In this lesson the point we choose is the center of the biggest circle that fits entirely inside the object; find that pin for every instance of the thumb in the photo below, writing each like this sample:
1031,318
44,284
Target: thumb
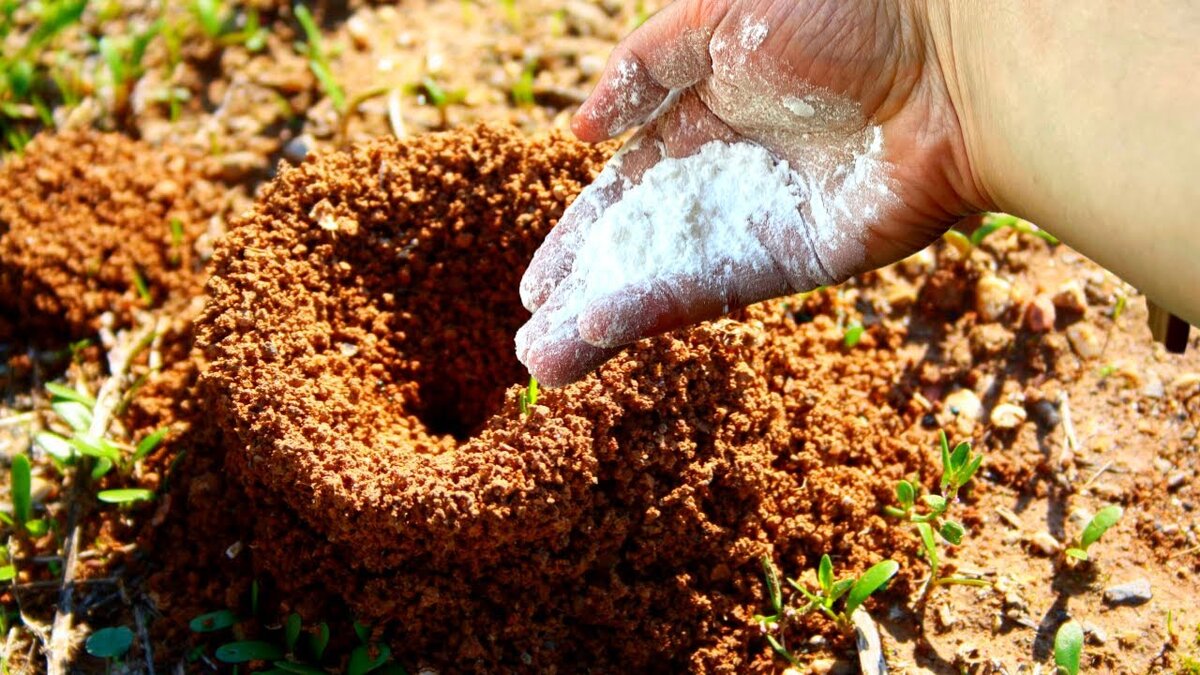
668,52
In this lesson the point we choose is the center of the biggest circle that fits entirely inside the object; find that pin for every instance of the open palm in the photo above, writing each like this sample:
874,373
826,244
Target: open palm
846,97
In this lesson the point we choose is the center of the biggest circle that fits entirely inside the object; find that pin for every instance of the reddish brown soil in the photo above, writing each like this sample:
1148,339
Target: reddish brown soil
367,375
82,214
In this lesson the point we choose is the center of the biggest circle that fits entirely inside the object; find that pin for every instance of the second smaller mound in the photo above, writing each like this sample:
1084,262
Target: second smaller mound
93,222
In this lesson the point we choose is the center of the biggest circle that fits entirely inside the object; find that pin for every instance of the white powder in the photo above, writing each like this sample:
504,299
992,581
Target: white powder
711,221
690,217
752,32
732,221
799,106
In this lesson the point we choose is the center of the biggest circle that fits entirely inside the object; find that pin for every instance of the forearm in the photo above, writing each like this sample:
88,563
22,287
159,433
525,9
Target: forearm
1082,116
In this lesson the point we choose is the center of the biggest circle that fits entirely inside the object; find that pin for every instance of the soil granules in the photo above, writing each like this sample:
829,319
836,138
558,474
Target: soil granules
360,330
83,214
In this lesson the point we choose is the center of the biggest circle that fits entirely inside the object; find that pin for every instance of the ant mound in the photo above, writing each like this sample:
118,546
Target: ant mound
360,334
86,217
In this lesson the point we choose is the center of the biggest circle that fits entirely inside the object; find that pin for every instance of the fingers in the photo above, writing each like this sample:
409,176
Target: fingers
549,344
664,305
669,52
555,258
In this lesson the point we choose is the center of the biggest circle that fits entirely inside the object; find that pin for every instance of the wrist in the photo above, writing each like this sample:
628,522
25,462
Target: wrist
957,52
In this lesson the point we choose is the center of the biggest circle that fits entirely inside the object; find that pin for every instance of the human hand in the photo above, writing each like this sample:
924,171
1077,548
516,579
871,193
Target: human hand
786,145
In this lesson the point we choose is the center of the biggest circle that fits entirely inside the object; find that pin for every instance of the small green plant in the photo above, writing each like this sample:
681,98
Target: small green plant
853,335
110,644
996,221
283,645
20,486
27,81
77,411
928,512
318,58
522,89
850,592
1068,647
431,92
529,397
1096,527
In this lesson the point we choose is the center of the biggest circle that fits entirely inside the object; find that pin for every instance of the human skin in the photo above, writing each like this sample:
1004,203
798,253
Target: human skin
1082,122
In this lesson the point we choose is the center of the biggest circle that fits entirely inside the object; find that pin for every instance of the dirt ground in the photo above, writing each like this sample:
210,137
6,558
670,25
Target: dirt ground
328,343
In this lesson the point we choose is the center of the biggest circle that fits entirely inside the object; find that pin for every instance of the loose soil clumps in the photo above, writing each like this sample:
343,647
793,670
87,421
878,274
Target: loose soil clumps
84,214
360,329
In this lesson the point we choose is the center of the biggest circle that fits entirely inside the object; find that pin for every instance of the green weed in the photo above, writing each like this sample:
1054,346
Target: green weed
1096,527
837,600
928,512
26,83
522,89
110,644
77,411
997,221
286,649
1068,647
529,397
853,335
318,58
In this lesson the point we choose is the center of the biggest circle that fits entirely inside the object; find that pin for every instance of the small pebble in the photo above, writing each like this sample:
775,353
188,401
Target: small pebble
1070,297
1133,593
1046,412
993,297
1176,480
1085,340
964,406
1040,315
919,264
1007,416
1095,634
1043,542
945,617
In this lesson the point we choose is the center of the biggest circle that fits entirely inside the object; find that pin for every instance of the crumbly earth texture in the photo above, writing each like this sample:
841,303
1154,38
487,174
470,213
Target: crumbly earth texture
1037,355
360,326
88,216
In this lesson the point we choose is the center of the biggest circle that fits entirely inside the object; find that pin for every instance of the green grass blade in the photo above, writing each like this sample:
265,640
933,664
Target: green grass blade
212,621
773,592
870,581
1068,647
825,574
65,393
148,444
21,476
1104,519
124,495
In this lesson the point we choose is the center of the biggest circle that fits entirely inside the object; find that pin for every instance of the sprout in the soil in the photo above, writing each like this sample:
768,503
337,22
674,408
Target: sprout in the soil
125,495
291,631
78,411
109,643
853,335
248,650
143,290
836,599
522,89
1068,646
212,621
318,58
1099,524
997,221
928,512
25,77
529,397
